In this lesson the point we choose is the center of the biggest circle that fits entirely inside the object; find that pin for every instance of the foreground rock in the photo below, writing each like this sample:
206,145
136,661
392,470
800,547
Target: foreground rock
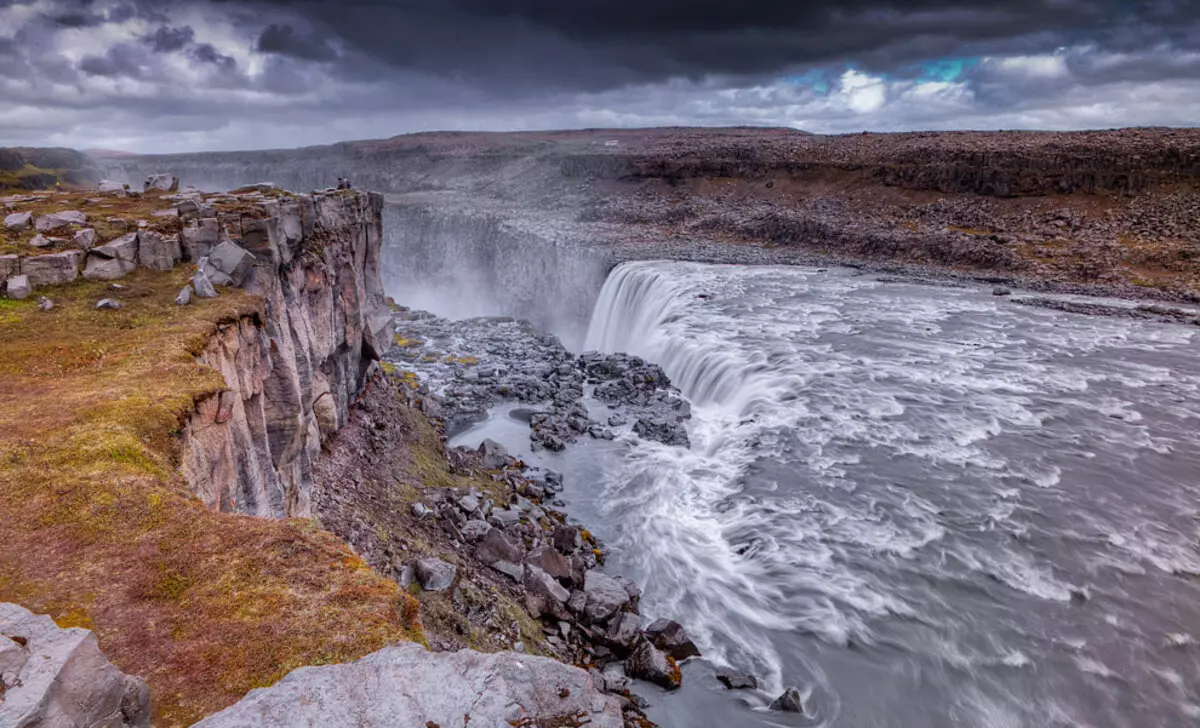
408,686
58,678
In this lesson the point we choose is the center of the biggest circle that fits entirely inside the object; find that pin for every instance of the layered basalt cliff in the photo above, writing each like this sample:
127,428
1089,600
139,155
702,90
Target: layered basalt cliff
292,374
1109,212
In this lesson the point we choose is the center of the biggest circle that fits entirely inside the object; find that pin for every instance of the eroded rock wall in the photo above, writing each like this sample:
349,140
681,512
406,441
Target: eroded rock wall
292,372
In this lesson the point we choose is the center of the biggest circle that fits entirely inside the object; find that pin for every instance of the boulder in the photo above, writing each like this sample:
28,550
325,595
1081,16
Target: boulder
204,287
551,562
108,185
199,237
737,680
159,252
789,702
45,304
566,539
52,269
113,260
232,260
494,455
605,596
161,183
56,220
505,517
184,297
10,265
18,221
406,685
544,595
496,551
108,304
85,239
475,529
1001,292
18,287
670,637
435,574
54,677
623,631
648,663
41,241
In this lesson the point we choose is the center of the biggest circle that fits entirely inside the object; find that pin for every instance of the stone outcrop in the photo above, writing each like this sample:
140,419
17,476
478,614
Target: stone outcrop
292,373
408,686
57,678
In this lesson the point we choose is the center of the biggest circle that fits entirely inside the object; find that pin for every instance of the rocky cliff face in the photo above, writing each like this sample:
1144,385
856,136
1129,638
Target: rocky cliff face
293,372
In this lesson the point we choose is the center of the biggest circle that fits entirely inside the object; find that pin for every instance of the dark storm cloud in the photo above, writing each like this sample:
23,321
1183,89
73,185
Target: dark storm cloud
603,43
121,60
167,39
206,53
284,40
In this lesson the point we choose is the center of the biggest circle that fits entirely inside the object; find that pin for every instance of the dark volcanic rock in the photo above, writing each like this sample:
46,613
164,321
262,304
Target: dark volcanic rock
670,637
789,702
648,663
737,680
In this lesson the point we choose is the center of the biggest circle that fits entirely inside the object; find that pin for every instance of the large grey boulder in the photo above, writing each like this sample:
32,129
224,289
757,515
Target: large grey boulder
435,574
407,687
18,221
112,260
232,260
605,595
496,551
17,287
159,252
56,220
204,287
199,237
161,183
85,239
52,269
544,595
58,678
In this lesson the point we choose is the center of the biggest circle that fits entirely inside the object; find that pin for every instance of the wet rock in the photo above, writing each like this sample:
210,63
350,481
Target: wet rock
435,574
413,687
623,631
1001,292
566,539
605,595
108,304
184,297
18,221
661,430
789,702
56,677
670,637
18,287
646,662
737,680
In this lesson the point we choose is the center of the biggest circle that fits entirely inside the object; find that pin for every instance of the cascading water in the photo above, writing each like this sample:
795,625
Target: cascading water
927,506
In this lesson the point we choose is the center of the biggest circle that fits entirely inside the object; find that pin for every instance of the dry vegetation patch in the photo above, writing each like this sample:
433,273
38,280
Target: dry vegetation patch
100,531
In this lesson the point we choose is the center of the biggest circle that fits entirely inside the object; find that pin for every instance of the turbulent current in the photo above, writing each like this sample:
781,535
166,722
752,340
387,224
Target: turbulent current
922,506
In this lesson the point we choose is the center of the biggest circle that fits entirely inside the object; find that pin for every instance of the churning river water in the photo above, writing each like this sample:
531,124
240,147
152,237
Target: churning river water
923,506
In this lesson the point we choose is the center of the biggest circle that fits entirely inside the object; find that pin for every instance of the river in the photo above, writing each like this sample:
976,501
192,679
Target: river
923,506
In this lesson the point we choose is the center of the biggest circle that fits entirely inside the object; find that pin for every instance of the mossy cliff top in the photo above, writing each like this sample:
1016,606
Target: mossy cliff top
35,168
100,531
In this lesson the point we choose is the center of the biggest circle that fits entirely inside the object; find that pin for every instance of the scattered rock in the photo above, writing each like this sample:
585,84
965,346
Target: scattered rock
435,574
474,529
410,686
496,551
551,562
204,287
85,239
647,663
55,677
56,220
45,304
623,630
670,637
18,287
495,456
737,680
566,539
161,183
108,304
184,297
605,595
544,595
18,221
41,241
789,702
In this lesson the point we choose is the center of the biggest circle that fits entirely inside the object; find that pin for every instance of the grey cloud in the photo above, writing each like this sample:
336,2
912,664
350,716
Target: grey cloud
284,40
207,53
167,39
120,60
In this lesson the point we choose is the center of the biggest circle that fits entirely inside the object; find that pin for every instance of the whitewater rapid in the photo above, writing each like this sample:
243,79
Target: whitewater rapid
926,506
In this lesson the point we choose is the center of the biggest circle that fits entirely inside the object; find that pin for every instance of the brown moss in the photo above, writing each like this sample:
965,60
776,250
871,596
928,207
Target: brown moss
101,532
